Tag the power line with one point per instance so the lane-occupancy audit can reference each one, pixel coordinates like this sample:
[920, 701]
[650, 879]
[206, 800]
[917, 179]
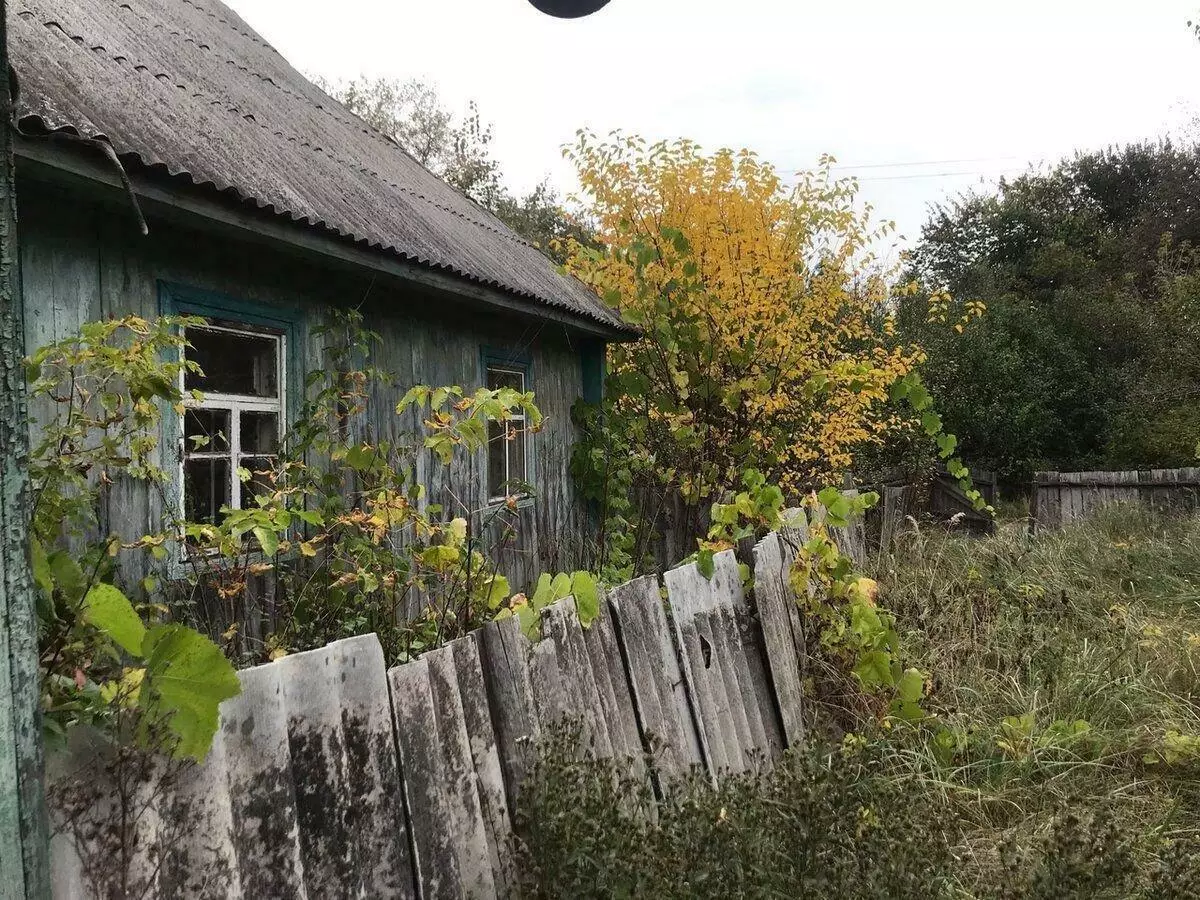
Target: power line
[938, 175]
[928, 162]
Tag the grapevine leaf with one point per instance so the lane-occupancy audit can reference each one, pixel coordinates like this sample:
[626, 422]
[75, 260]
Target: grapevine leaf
[911, 686]
[587, 597]
[40, 564]
[560, 587]
[110, 611]
[68, 577]
[874, 668]
[497, 591]
[531, 625]
[542, 594]
[188, 678]
[828, 496]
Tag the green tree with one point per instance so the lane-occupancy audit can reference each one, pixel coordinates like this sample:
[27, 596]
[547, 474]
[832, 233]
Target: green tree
[1084, 356]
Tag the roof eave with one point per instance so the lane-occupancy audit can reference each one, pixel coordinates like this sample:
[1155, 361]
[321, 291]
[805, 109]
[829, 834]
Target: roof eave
[171, 198]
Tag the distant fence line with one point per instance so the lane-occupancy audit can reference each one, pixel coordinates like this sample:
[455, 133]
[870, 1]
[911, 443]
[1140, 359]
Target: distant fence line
[1060, 498]
[333, 777]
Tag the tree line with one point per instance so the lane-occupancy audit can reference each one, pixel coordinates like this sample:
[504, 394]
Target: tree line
[1089, 354]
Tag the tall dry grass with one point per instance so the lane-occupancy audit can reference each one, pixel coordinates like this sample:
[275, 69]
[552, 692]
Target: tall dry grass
[1063, 670]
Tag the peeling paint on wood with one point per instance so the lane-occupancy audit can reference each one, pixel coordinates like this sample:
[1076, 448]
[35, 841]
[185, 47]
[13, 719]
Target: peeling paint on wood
[24, 838]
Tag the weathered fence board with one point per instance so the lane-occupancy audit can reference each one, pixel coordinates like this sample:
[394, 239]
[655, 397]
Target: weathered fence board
[1060, 498]
[485, 757]
[320, 772]
[504, 656]
[560, 626]
[266, 835]
[200, 861]
[612, 683]
[782, 638]
[716, 645]
[435, 857]
[460, 783]
[376, 819]
[753, 658]
[333, 777]
[897, 503]
[656, 685]
[705, 683]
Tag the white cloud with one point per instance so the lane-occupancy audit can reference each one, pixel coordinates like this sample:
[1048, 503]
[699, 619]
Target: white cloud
[871, 81]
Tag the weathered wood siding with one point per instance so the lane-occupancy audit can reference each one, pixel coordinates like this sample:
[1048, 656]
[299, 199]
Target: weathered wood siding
[1060, 498]
[82, 261]
[307, 791]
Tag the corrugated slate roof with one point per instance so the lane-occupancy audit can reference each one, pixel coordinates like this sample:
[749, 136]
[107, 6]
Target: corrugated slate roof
[187, 86]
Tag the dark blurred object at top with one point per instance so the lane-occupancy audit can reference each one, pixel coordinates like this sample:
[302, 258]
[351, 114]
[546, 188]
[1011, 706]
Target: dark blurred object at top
[569, 9]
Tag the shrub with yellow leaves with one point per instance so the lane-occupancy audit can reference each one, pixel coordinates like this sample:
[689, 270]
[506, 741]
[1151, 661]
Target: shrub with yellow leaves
[766, 333]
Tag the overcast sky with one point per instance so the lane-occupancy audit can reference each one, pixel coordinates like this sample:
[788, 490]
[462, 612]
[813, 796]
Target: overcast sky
[900, 92]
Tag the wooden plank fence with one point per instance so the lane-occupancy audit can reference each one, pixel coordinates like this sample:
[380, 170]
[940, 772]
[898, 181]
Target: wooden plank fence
[331, 777]
[1060, 498]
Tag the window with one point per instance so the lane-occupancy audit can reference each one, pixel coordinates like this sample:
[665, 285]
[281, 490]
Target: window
[231, 436]
[507, 462]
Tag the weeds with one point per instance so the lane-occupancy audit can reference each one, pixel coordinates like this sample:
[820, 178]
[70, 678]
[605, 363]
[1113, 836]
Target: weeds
[1059, 758]
[1065, 683]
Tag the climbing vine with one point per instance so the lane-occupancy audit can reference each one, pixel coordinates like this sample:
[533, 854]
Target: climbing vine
[851, 629]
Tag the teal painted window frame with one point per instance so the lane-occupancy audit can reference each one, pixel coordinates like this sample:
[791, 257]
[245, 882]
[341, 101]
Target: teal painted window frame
[505, 358]
[178, 299]
[593, 368]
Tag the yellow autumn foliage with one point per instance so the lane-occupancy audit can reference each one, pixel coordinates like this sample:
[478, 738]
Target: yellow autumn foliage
[765, 314]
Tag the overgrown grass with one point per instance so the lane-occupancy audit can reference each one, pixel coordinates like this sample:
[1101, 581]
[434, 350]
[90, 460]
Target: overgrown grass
[1061, 757]
[1064, 679]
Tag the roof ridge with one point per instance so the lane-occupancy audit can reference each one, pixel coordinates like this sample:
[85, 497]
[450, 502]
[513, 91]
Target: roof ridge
[353, 121]
[245, 115]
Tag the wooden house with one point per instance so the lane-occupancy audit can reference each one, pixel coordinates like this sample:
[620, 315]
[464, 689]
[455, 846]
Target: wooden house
[268, 204]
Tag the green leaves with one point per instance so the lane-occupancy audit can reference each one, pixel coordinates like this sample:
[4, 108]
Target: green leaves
[587, 597]
[110, 610]
[187, 677]
[186, 674]
[910, 690]
[874, 669]
[550, 589]
[911, 389]
[267, 539]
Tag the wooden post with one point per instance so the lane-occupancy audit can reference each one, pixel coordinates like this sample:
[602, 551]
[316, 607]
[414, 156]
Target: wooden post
[896, 504]
[23, 832]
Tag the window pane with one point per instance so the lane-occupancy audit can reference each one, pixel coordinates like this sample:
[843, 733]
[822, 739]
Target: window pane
[260, 432]
[262, 479]
[496, 449]
[206, 430]
[205, 489]
[504, 378]
[233, 363]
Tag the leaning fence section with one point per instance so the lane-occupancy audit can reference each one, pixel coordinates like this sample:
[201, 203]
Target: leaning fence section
[331, 776]
[1060, 498]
